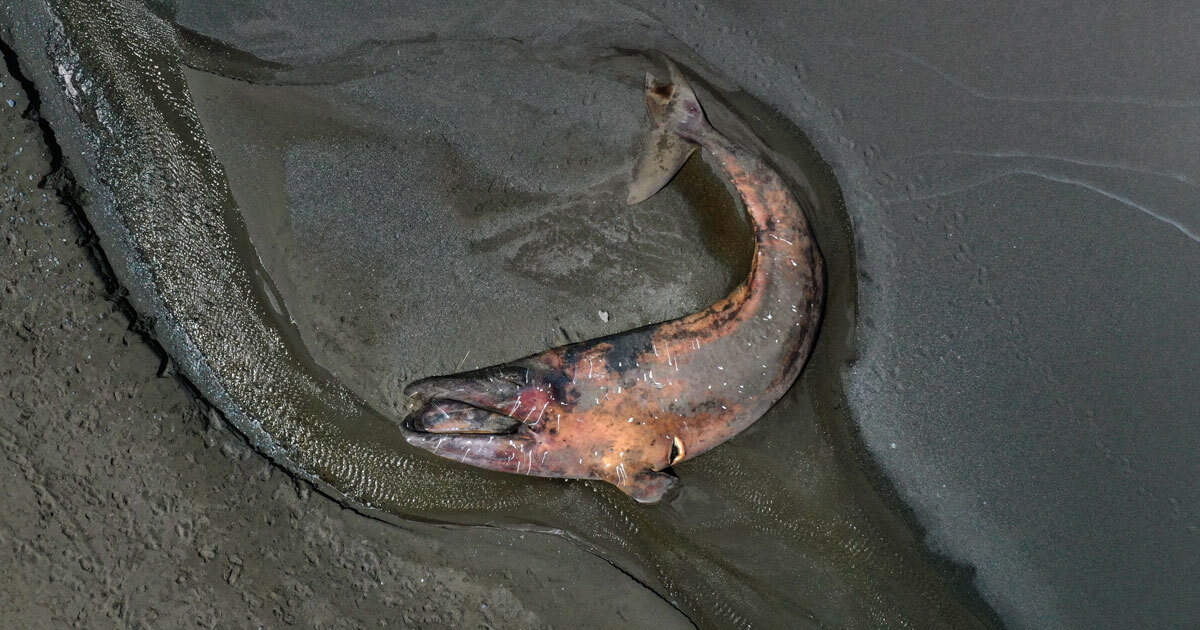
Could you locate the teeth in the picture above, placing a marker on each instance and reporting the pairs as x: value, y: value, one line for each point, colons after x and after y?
x: 680, y: 451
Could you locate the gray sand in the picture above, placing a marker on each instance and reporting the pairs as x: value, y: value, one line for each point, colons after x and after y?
x: 127, y: 504
x: 1023, y: 189
x: 416, y: 255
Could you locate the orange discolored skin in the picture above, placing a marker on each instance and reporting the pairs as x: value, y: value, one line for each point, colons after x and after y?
x: 625, y: 407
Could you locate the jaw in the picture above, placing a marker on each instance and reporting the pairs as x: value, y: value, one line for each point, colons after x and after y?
x: 501, y: 419
x: 468, y: 440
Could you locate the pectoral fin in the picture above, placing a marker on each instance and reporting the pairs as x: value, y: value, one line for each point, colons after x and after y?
x: 649, y: 486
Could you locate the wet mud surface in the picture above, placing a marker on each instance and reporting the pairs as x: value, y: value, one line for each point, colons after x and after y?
x: 129, y: 503
x: 469, y: 260
x: 725, y: 552
x: 1011, y: 346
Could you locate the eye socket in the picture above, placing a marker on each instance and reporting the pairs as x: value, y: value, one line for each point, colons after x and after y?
x: 678, y: 451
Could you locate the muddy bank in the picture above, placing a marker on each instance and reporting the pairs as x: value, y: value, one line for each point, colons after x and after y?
x: 748, y: 541
x: 1021, y: 189
x: 129, y: 504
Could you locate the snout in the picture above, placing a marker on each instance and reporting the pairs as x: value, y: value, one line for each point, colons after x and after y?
x: 445, y: 416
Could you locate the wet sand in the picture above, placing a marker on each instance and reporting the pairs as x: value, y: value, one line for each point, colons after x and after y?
x: 1021, y: 188
x: 129, y: 503
x: 727, y: 551
x: 400, y: 249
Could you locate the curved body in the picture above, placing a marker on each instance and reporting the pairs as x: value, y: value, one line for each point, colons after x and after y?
x: 626, y: 407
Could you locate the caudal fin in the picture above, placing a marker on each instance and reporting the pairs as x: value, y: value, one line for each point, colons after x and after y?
x: 678, y: 122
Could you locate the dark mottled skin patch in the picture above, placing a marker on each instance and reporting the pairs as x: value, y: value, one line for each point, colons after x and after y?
x: 707, y: 406
x: 627, y: 347
x: 624, y: 348
x: 560, y: 387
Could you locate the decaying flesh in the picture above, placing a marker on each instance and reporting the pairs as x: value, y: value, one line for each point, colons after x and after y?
x: 625, y: 408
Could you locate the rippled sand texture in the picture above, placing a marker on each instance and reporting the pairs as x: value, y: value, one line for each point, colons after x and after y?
x: 780, y: 526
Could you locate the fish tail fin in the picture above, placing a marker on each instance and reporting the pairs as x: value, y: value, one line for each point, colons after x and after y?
x: 679, y: 123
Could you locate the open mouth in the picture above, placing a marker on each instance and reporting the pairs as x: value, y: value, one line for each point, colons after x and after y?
x: 452, y: 416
